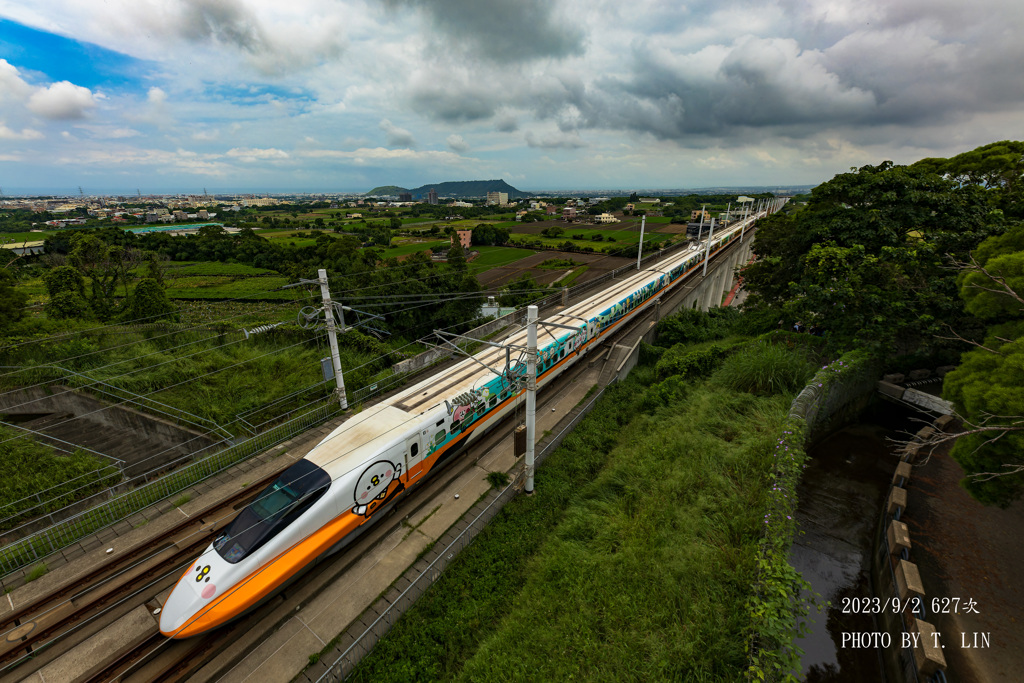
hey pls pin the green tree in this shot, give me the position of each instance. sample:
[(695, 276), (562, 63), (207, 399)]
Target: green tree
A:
[(148, 302), (868, 259), (520, 292), (986, 387), (66, 289), (12, 301), (457, 257), (552, 232)]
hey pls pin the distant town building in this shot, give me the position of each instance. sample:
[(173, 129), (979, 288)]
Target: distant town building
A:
[(465, 238), (405, 196), (569, 213), (465, 205), (432, 197), (499, 198), (552, 210), (650, 200), (259, 201), (696, 216), (605, 218)]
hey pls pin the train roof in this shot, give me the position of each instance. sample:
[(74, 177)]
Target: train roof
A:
[(361, 437)]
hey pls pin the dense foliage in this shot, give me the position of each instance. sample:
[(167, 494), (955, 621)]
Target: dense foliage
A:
[(868, 259), (631, 562), (28, 468), (988, 385)]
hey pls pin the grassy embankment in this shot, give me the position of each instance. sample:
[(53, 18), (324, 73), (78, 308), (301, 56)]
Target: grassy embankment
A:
[(635, 557), (28, 468)]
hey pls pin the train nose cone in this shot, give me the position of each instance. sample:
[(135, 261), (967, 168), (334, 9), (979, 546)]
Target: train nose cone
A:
[(183, 610)]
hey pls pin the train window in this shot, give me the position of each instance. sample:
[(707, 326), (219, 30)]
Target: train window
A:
[(456, 426), (275, 508), (561, 354), (493, 402), (439, 437), (414, 450), (440, 422)]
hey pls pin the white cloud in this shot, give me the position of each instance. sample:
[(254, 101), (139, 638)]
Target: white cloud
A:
[(365, 155), (12, 86), (249, 154), (25, 134), (62, 100), (457, 143), (156, 96), (395, 136)]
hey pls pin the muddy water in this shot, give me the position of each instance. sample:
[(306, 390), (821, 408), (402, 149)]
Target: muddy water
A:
[(843, 489)]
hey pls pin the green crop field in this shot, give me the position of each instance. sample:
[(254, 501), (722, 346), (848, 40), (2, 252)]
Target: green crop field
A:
[(18, 238), (181, 268), (227, 287), (495, 257)]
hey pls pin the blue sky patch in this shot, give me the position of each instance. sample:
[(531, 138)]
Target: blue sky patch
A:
[(65, 59)]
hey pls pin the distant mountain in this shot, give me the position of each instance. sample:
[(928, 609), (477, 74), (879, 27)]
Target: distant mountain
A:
[(386, 191), (457, 188)]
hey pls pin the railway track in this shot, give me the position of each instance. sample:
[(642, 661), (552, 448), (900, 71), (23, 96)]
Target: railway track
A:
[(32, 632), (39, 632)]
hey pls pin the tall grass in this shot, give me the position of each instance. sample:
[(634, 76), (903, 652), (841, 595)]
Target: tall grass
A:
[(765, 368), (213, 375), (28, 468), (631, 562)]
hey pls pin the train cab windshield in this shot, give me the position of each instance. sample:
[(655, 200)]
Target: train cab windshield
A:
[(275, 508)]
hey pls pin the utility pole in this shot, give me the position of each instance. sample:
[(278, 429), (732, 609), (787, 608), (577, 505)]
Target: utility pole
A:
[(332, 337), (700, 230), (707, 253), (531, 393), (640, 247)]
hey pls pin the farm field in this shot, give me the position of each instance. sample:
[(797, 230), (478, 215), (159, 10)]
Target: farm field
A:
[(286, 236), (591, 266), (22, 237), (495, 257)]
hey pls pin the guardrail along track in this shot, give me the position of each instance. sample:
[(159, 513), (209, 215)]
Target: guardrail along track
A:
[(130, 577)]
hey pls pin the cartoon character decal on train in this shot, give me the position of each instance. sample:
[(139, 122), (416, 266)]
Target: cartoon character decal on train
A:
[(378, 483)]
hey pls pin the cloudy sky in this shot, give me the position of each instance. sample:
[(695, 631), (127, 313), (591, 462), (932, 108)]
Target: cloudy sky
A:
[(344, 95)]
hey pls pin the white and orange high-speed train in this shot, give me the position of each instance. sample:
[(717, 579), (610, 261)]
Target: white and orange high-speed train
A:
[(323, 502)]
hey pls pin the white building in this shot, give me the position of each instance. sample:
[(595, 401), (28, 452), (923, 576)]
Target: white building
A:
[(499, 198), (605, 218)]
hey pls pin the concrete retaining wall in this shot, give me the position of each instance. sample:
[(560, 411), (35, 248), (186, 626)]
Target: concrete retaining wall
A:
[(178, 440)]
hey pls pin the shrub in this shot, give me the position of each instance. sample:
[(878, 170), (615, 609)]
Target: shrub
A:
[(764, 368), (691, 325), (688, 363)]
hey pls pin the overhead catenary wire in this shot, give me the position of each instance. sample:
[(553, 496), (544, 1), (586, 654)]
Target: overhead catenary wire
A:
[(345, 453), (143, 476), (178, 384), (161, 336)]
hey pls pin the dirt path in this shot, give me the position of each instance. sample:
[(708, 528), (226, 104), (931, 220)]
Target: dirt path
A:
[(969, 551)]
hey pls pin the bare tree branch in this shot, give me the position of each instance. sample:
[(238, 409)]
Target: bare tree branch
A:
[(917, 444), (1004, 288), (957, 337)]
